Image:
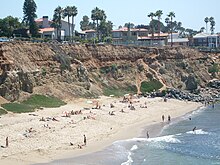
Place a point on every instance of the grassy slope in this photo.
(35, 101)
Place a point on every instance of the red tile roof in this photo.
(46, 30)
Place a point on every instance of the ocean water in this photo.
(177, 144)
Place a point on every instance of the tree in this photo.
(171, 15)
(98, 15)
(8, 25)
(151, 15)
(158, 14)
(74, 12)
(206, 21)
(157, 25)
(84, 24)
(130, 25)
(212, 24)
(57, 16)
(105, 28)
(67, 13)
(29, 10)
(202, 29)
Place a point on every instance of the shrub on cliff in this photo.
(150, 86)
(214, 69)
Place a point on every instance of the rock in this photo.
(191, 83)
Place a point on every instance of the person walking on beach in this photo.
(169, 118)
(6, 141)
(163, 118)
(148, 135)
(84, 140)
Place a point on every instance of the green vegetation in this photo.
(29, 10)
(35, 101)
(213, 69)
(119, 91)
(113, 69)
(43, 101)
(43, 72)
(18, 108)
(150, 86)
(2, 111)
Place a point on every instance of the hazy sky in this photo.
(190, 12)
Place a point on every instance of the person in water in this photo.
(194, 129)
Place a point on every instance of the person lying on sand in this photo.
(111, 113)
(54, 119)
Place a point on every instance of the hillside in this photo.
(68, 71)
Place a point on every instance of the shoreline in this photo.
(155, 129)
(125, 129)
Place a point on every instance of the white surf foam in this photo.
(134, 147)
(198, 132)
(129, 161)
(167, 139)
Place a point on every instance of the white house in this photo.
(206, 40)
(47, 31)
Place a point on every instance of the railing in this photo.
(139, 43)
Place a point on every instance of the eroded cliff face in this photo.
(67, 71)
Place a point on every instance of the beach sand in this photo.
(50, 140)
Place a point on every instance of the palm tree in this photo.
(158, 14)
(74, 12)
(206, 21)
(151, 15)
(171, 15)
(58, 12)
(212, 24)
(67, 13)
(98, 14)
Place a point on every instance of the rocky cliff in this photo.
(75, 70)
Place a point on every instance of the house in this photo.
(47, 31)
(156, 39)
(177, 41)
(206, 40)
(88, 34)
(125, 34)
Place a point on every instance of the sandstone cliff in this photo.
(67, 71)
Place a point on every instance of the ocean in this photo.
(176, 144)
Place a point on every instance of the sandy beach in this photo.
(34, 141)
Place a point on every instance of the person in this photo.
(84, 140)
(79, 146)
(194, 129)
(163, 118)
(148, 134)
(6, 142)
(169, 118)
(122, 110)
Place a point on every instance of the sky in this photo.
(190, 12)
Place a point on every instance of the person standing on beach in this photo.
(169, 118)
(148, 134)
(84, 140)
(6, 141)
(163, 118)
